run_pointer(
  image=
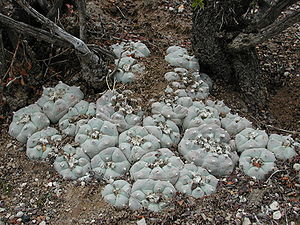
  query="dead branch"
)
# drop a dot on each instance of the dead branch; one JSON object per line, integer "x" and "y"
{"x": 273, "y": 12}
{"x": 2, "y": 55}
{"x": 25, "y": 29}
{"x": 81, "y": 5}
{"x": 246, "y": 41}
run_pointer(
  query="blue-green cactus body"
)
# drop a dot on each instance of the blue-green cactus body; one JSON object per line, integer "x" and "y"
{"x": 27, "y": 121}
{"x": 109, "y": 164}
{"x": 56, "y": 101}
{"x": 209, "y": 146}
{"x": 251, "y": 138}
{"x": 72, "y": 163}
{"x": 218, "y": 105}
{"x": 121, "y": 114}
{"x": 159, "y": 165}
{"x": 200, "y": 114}
{"x": 83, "y": 110}
{"x": 234, "y": 124}
{"x": 151, "y": 195}
{"x": 165, "y": 130}
{"x": 257, "y": 162}
{"x": 136, "y": 142}
{"x": 42, "y": 143}
{"x": 117, "y": 193}
{"x": 96, "y": 136}
{"x": 196, "y": 181}
{"x": 282, "y": 146}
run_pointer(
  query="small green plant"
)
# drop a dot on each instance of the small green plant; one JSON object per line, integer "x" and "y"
{"x": 197, "y": 3}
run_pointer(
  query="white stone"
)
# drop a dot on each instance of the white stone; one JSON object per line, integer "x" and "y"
{"x": 296, "y": 166}
{"x": 277, "y": 215}
{"x": 246, "y": 221}
{"x": 274, "y": 206}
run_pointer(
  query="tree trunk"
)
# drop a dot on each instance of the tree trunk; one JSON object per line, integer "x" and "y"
{"x": 214, "y": 27}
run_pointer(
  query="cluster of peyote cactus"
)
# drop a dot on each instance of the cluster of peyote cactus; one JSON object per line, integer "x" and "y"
{"x": 127, "y": 63}
{"x": 136, "y": 142}
{"x": 199, "y": 114}
{"x": 165, "y": 130}
{"x": 42, "y": 143}
{"x": 119, "y": 109}
{"x": 210, "y": 147}
{"x": 72, "y": 163}
{"x": 110, "y": 163}
{"x": 179, "y": 57}
{"x": 82, "y": 112}
{"x": 56, "y": 101}
{"x": 158, "y": 165}
{"x": 179, "y": 147}
{"x": 182, "y": 84}
{"x": 27, "y": 121}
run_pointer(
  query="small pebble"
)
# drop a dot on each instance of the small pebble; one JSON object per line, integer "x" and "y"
{"x": 277, "y": 215}
{"x": 19, "y": 214}
{"x": 42, "y": 223}
{"x": 296, "y": 166}
{"x": 274, "y": 206}
{"x": 246, "y": 221}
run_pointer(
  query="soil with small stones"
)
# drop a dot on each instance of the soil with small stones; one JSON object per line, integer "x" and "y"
{"x": 32, "y": 192}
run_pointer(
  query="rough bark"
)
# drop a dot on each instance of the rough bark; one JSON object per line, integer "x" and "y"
{"x": 224, "y": 41}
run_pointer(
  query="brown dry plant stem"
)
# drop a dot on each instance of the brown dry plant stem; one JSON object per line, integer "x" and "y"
{"x": 2, "y": 55}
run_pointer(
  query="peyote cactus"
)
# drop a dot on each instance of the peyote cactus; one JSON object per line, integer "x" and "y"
{"x": 72, "y": 163}
{"x": 161, "y": 164}
{"x": 83, "y": 110}
{"x": 234, "y": 124}
{"x": 251, "y": 138}
{"x": 42, "y": 143}
{"x": 173, "y": 111}
{"x": 257, "y": 162}
{"x": 220, "y": 106}
{"x": 127, "y": 69}
{"x": 282, "y": 146}
{"x": 199, "y": 114}
{"x": 196, "y": 181}
{"x": 118, "y": 109}
{"x": 56, "y": 101}
{"x": 136, "y": 142}
{"x": 96, "y": 135}
{"x": 165, "y": 130}
{"x": 151, "y": 195}
{"x": 210, "y": 147}
{"x": 110, "y": 163}
{"x": 184, "y": 85}
{"x": 117, "y": 193}
{"x": 135, "y": 49}
{"x": 27, "y": 121}
{"x": 178, "y": 57}
{"x": 203, "y": 77}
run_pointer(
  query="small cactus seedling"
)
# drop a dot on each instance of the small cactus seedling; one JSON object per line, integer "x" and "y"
{"x": 282, "y": 146}
{"x": 117, "y": 193}
{"x": 234, "y": 124}
{"x": 109, "y": 164}
{"x": 134, "y": 49}
{"x": 257, "y": 162}
{"x": 56, "y": 101}
{"x": 96, "y": 135}
{"x": 42, "y": 143}
{"x": 136, "y": 142}
{"x": 251, "y": 138}
{"x": 72, "y": 163}
{"x": 151, "y": 195}
{"x": 165, "y": 130}
{"x": 83, "y": 110}
{"x": 27, "y": 121}
{"x": 196, "y": 181}
{"x": 158, "y": 165}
